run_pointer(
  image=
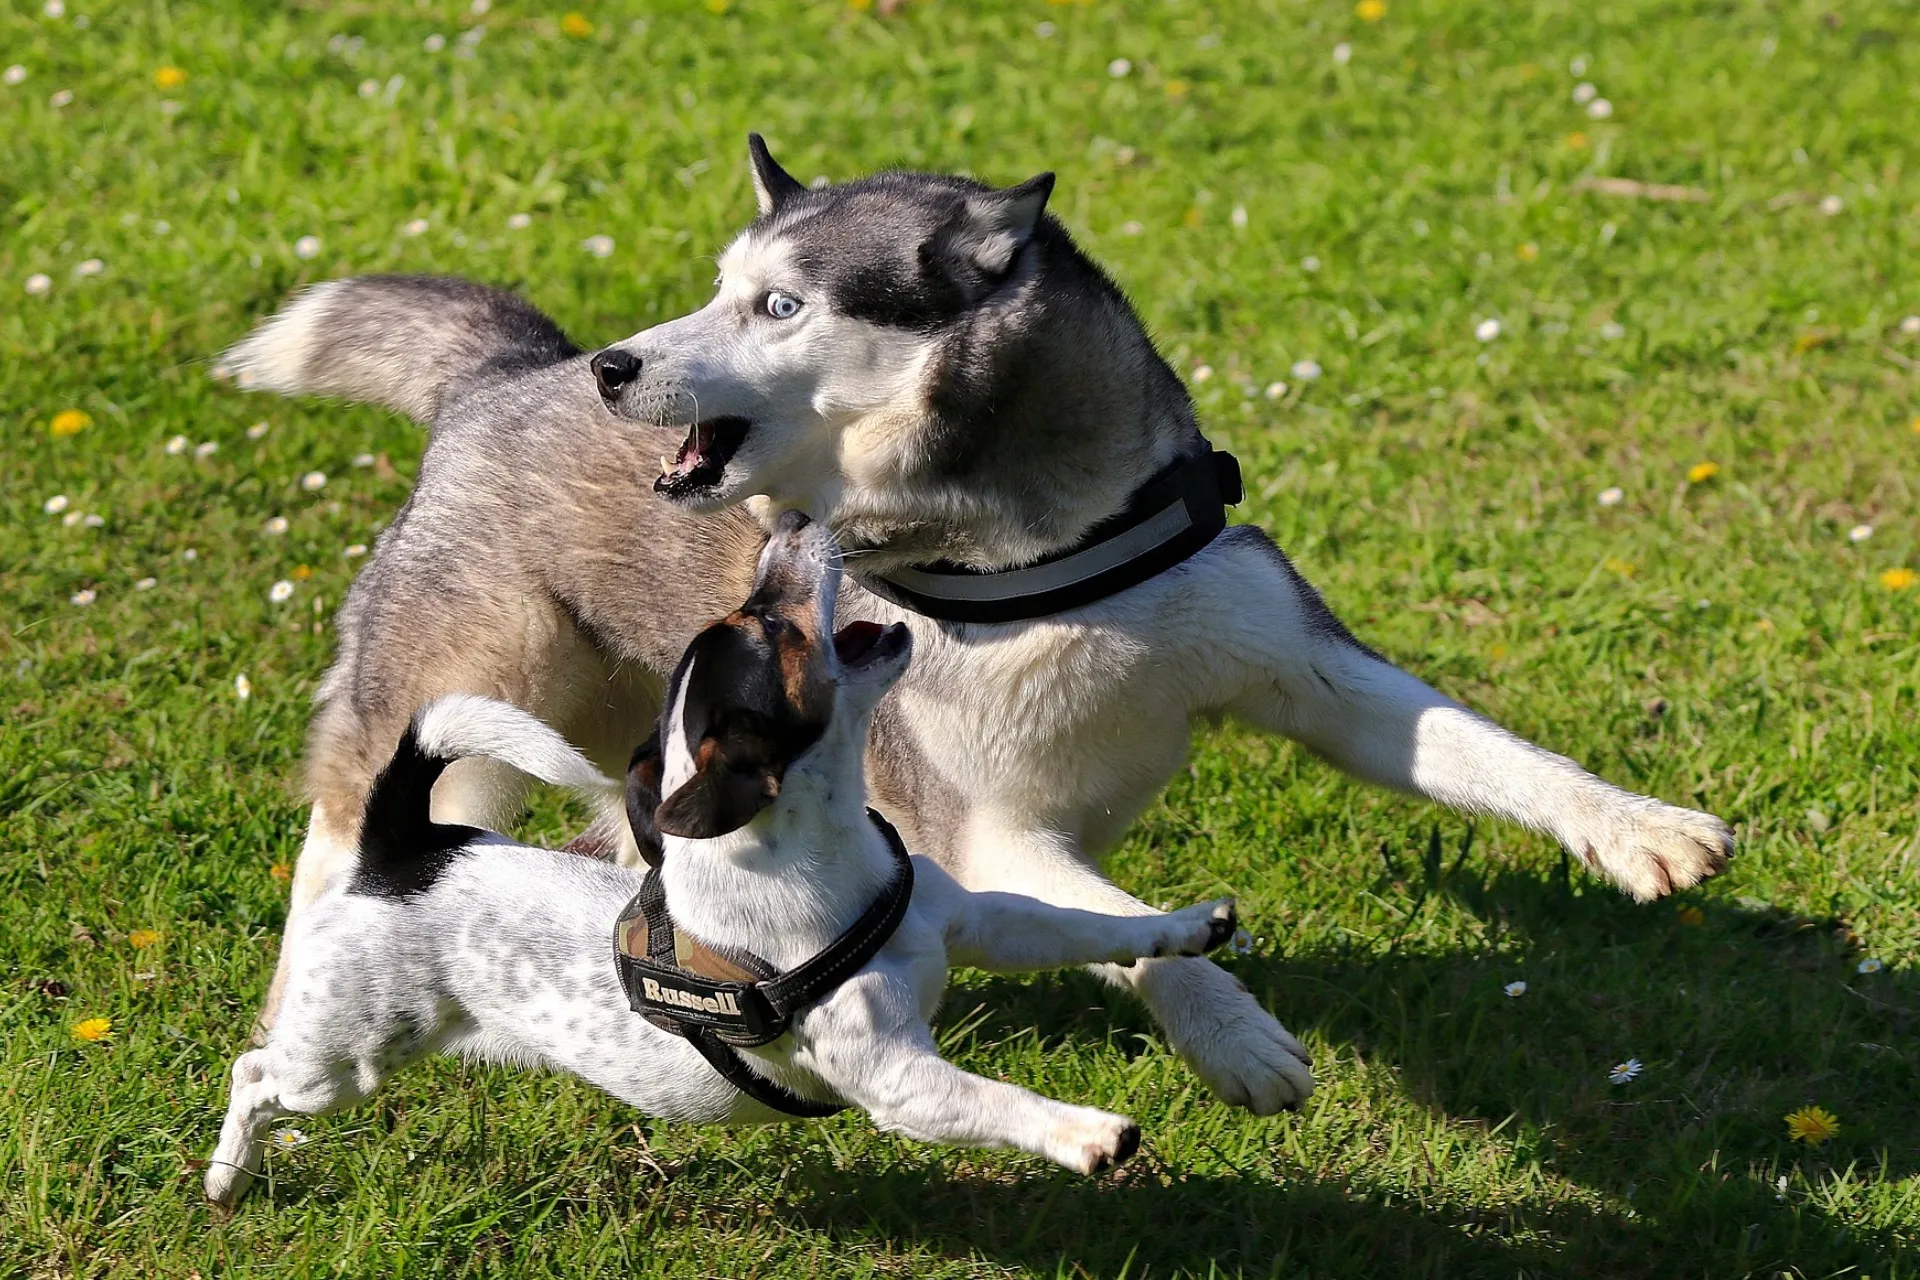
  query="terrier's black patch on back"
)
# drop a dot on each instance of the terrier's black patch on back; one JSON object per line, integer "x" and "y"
{"x": 403, "y": 850}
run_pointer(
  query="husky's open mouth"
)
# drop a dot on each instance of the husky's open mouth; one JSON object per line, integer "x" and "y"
{"x": 859, "y": 644}
{"x": 703, "y": 458}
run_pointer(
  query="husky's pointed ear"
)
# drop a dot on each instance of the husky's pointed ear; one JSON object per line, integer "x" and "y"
{"x": 999, "y": 223}
{"x": 720, "y": 797}
{"x": 772, "y": 185}
{"x": 643, "y": 797}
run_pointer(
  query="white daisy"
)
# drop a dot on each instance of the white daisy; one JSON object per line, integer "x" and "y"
{"x": 1610, "y": 496}
{"x": 362, "y": 459}
{"x": 257, "y": 430}
{"x": 369, "y": 88}
{"x": 1306, "y": 370}
{"x": 1238, "y": 217}
{"x": 146, "y": 584}
{"x": 598, "y": 246}
{"x": 1860, "y": 533}
{"x": 479, "y": 6}
{"x": 1242, "y": 943}
{"x": 1132, "y": 227}
{"x": 275, "y": 526}
{"x": 1342, "y": 54}
{"x": 1045, "y": 30}
{"x": 1583, "y": 93}
{"x": 1119, "y": 68}
{"x": 73, "y": 518}
{"x": 288, "y": 1139}
{"x": 1613, "y": 331}
{"x": 1831, "y": 206}
{"x": 1578, "y": 66}
{"x": 242, "y": 687}
{"x": 1202, "y": 372}
{"x": 14, "y": 74}
{"x": 60, "y": 98}
{"x": 520, "y": 221}
{"x": 1275, "y": 390}
{"x": 38, "y": 283}
{"x": 206, "y": 449}
{"x": 280, "y": 592}
{"x": 89, "y": 267}
{"x": 1625, "y": 1071}
{"x": 1910, "y": 325}
{"x": 83, "y": 598}
{"x": 55, "y": 8}
{"x": 307, "y": 247}
{"x": 1871, "y": 964}
{"x": 189, "y": 555}
{"x": 1599, "y": 109}
{"x": 55, "y": 505}
{"x": 314, "y": 481}
{"x": 161, "y": 226}
{"x": 418, "y": 227}
{"x": 434, "y": 43}
{"x": 1487, "y": 330}
{"x": 357, "y": 550}
{"x": 177, "y": 445}
{"x": 1515, "y": 990}
{"x": 93, "y": 520}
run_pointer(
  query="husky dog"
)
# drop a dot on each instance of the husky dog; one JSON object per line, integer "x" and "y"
{"x": 447, "y": 937}
{"x": 931, "y": 367}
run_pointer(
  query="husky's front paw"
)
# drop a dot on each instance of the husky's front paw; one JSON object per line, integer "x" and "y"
{"x": 1657, "y": 848}
{"x": 1237, "y": 1048}
{"x": 1090, "y": 1141}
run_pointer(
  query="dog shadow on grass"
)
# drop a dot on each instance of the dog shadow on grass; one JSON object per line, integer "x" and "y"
{"x": 1737, "y": 1013}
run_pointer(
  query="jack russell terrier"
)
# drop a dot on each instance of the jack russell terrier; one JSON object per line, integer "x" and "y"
{"x": 781, "y": 955}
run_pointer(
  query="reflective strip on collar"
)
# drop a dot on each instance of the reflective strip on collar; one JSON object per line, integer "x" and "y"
{"x": 1013, "y": 584}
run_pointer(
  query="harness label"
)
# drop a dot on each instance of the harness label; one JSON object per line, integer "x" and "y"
{"x": 681, "y": 999}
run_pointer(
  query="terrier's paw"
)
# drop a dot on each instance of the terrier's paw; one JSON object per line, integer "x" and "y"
{"x": 227, "y": 1183}
{"x": 1199, "y": 929}
{"x": 1091, "y": 1141}
{"x": 1656, "y": 849}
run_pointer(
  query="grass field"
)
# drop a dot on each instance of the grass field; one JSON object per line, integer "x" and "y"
{"x": 1282, "y": 186}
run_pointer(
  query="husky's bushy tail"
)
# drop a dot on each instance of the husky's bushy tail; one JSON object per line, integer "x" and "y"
{"x": 398, "y": 341}
{"x": 400, "y": 844}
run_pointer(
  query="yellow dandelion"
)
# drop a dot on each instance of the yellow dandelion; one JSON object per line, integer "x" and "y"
{"x": 169, "y": 77}
{"x": 1808, "y": 341}
{"x": 1370, "y": 10}
{"x": 1576, "y": 141}
{"x": 1625, "y": 568}
{"x": 1191, "y": 218}
{"x": 93, "y": 1029}
{"x": 860, "y": 6}
{"x": 1812, "y": 1125}
{"x": 719, "y": 6}
{"x": 302, "y": 572}
{"x": 1691, "y": 915}
{"x": 70, "y": 422}
{"x": 1528, "y": 252}
{"x": 576, "y": 25}
{"x": 280, "y": 871}
{"x": 1701, "y": 472}
{"x": 1177, "y": 88}
{"x": 1915, "y": 424}
{"x": 141, "y": 939}
{"x": 1898, "y": 579}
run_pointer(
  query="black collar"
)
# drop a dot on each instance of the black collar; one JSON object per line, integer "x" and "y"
{"x": 1166, "y": 520}
{"x": 720, "y": 998}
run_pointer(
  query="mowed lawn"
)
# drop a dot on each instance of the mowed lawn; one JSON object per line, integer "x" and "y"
{"x": 1633, "y": 469}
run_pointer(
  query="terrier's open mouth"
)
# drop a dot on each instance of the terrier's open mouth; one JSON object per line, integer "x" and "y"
{"x": 703, "y": 458}
{"x": 860, "y": 644}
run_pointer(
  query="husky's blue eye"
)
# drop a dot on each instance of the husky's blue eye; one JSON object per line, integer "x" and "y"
{"x": 782, "y": 306}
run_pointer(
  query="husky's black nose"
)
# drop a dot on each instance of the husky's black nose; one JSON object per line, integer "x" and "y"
{"x": 613, "y": 369}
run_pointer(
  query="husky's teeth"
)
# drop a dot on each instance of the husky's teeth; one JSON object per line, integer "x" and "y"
{"x": 666, "y": 468}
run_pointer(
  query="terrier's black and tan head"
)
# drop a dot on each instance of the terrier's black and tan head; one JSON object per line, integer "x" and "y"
{"x": 761, "y": 689}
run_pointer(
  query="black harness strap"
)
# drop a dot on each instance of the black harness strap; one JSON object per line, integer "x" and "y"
{"x": 1166, "y": 521}
{"x": 719, "y": 1013}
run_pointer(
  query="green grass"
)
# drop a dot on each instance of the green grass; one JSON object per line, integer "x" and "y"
{"x": 1720, "y": 644}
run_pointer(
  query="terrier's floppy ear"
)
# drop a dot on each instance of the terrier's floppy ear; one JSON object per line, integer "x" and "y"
{"x": 643, "y": 797}
{"x": 772, "y": 185}
{"x": 999, "y": 223}
{"x": 722, "y": 796}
